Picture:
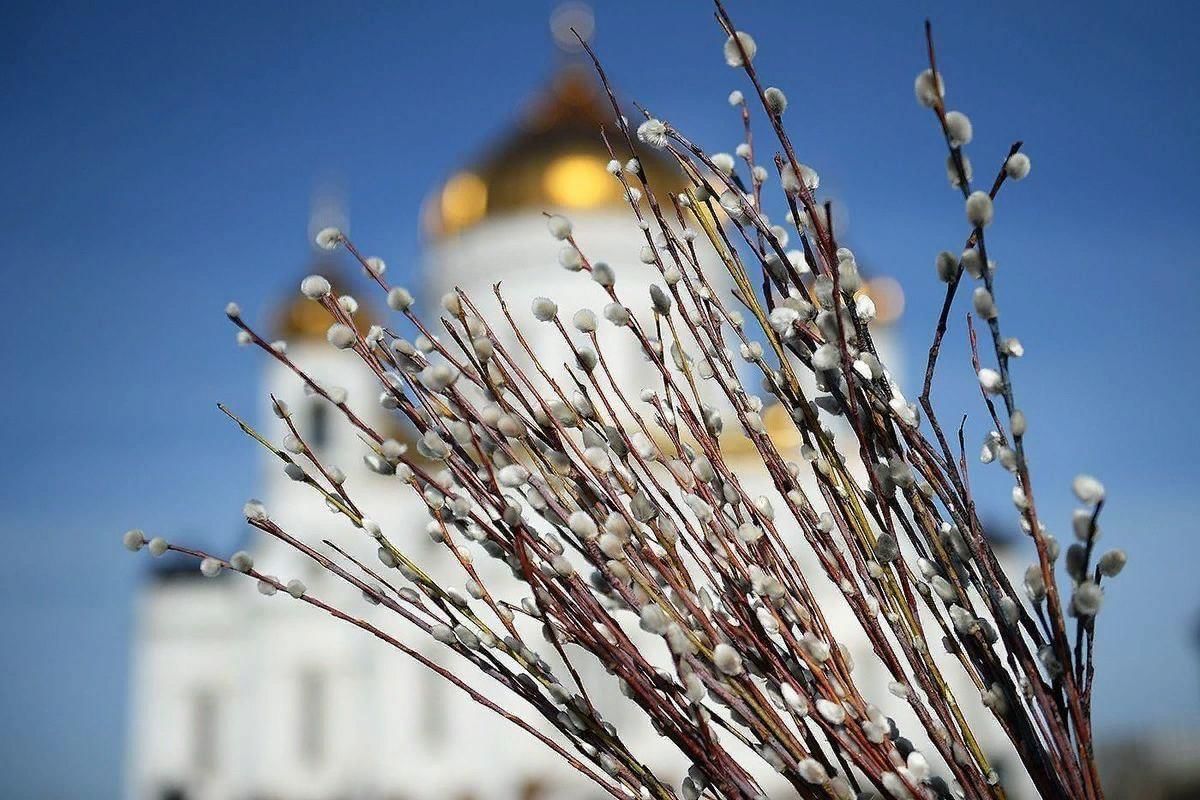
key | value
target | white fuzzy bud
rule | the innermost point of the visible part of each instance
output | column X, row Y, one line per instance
column 736, row 98
column 512, row 476
column 341, row 336
column 511, row 425
column 826, row 357
column 795, row 701
column 560, row 226
column 1018, row 422
column 660, row 299
column 1035, row 584
column 985, row 306
column 816, row 649
column 831, row 711
column 733, row 53
column 570, row 259
column 749, row 532
column 314, row 287
column 617, row 314
column 654, row 133
column 782, row 319
column 329, row 238
column 296, row 588
column 431, row 445
column 603, row 274
column 399, row 299
column 1110, row 564
column 929, row 89
column 1087, row 599
column 1017, row 166
column 583, row 525
column 158, row 546
column 944, row 589
column 958, row 128
column 452, row 303
column 597, row 458
column 979, row 209
column 544, row 309
column 990, row 380
column 653, row 620
column 1088, row 489
column 443, row 634
column 993, row 697
column 210, row 567
column 864, row 307
column 254, row 511
column 906, row 412
column 776, row 100
column 584, row 320
column 791, row 181
column 372, row 528
column 947, row 266
column 918, row 767
column 611, row 546
column 723, row 162
column 241, row 561
column 972, row 263
column 952, row 173
column 133, row 540
column 727, row 659
column 812, row 771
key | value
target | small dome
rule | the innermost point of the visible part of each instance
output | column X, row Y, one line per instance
column 554, row 161
column 300, row 318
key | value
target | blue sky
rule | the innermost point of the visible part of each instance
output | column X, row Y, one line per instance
column 159, row 161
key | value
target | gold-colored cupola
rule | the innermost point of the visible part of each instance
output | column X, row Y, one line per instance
column 554, row 160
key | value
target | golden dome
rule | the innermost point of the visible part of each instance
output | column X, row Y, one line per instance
column 301, row 318
column 554, row 160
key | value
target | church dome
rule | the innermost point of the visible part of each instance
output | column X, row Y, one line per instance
column 554, row 160
column 301, row 318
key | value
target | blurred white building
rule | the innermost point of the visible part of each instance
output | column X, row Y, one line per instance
column 239, row 697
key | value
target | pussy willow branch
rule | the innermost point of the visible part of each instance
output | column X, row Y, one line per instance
column 548, row 468
column 1082, row 725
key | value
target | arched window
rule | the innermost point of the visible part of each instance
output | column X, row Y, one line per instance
column 318, row 426
column 313, row 717
column 204, row 730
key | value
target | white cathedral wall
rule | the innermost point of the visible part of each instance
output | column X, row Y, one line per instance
column 187, row 645
column 519, row 251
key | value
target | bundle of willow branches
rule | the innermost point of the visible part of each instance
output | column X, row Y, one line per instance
column 617, row 510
